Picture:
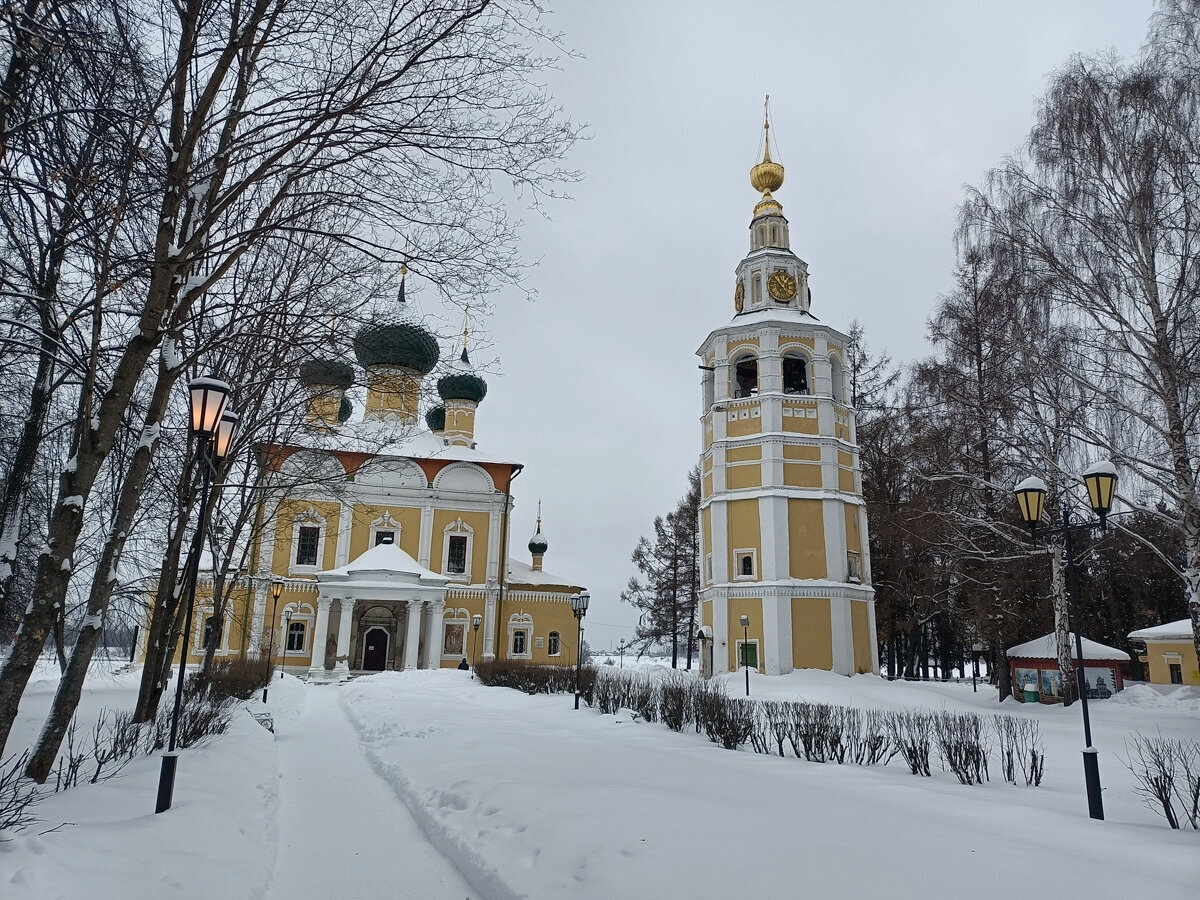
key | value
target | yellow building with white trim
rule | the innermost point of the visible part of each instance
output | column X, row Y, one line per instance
column 1170, row 653
column 388, row 537
column 782, row 519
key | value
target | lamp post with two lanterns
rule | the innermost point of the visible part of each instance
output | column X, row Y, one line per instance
column 213, row 424
column 579, row 605
column 1101, row 481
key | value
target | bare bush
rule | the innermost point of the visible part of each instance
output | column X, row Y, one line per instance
column 641, row 696
column 963, row 746
column 910, row 732
column 1020, row 746
column 608, row 690
column 18, row 795
column 675, row 701
column 1168, row 775
column 238, row 678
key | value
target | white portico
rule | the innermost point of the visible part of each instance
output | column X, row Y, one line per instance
column 384, row 597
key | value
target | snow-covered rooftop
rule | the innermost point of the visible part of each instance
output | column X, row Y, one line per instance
column 1046, row 648
column 384, row 560
column 523, row 573
column 1171, row 631
column 388, row 439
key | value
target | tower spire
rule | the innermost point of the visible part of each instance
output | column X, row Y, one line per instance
column 767, row 176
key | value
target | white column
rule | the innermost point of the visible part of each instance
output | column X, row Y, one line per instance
column 872, row 637
column 412, row 634
column 433, row 641
column 342, row 662
column 492, row 573
column 320, row 632
column 256, row 619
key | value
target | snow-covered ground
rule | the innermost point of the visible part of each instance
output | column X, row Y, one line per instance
column 429, row 785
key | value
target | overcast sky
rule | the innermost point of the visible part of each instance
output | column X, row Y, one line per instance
column 882, row 112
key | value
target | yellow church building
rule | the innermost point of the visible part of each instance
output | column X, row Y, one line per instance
column 786, row 573
column 386, row 538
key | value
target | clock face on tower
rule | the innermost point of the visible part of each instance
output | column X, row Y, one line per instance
column 782, row 286
column 739, row 297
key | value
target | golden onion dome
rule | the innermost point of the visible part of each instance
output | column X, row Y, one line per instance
column 767, row 176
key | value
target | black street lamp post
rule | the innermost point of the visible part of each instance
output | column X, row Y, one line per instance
column 276, row 591
column 287, row 636
column 976, row 649
column 1101, row 481
column 476, row 621
column 621, row 650
column 214, row 428
column 579, row 605
column 745, row 622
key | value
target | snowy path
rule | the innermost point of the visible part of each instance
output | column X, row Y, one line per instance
column 342, row 830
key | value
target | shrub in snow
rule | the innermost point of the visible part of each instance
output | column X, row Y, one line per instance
column 911, row 733
column 1168, row 776
column 236, row 678
column 535, row 679
column 963, row 745
column 675, row 701
column 607, row 691
column 1020, row 746
column 18, row 795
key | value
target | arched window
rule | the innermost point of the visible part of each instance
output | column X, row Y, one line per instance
column 774, row 236
column 795, row 375
column 837, row 387
column 554, row 644
column 295, row 637
column 745, row 377
column 756, row 290
column 747, row 566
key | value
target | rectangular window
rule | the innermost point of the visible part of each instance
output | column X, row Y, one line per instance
column 306, row 545
column 520, row 642
column 1176, row 670
column 456, row 555
column 555, row 647
column 452, row 643
column 385, row 537
column 748, row 654
column 295, row 637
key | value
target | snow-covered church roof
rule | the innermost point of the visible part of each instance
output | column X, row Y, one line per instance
column 1046, row 648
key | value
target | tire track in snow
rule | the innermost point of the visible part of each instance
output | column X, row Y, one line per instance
column 456, row 851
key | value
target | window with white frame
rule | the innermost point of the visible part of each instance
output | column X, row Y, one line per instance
column 308, row 539
column 454, row 632
column 520, row 627
column 554, row 644
column 295, row 637
column 204, row 633
column 457, row 547
column 385, row 530
column 746, row 561
column 747, row 654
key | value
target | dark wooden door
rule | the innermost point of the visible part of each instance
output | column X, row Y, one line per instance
column 375, row 653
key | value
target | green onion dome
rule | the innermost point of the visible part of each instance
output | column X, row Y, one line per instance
column 344, row 409
column 537, row 544
column 403, row 345
column 462, row 383
column 436, row 418
column 317, row 371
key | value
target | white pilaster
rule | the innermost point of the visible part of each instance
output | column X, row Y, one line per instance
column 495, row 517
column 426, row 542
column 345, row 526
column 871, row 636
column 412, row 634
column 345, row 619
column 835, row 540
column 842, row 634
column 266, row 558
column 433, row 642
column 720, row 608
column 489, row 623
column 320, row 633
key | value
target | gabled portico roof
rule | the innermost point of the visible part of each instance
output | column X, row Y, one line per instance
column 383, row 566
